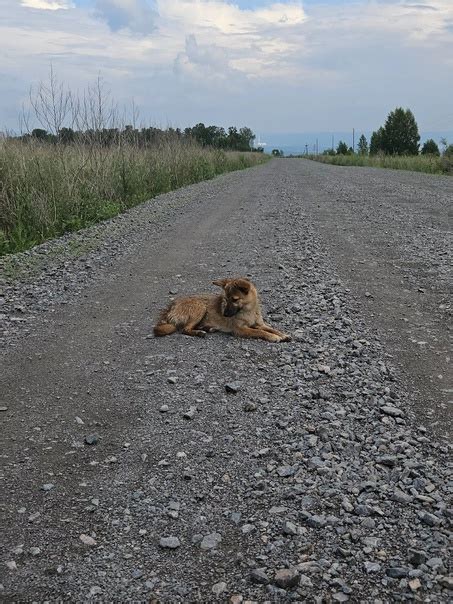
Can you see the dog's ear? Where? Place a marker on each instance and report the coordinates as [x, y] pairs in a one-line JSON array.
[[221, 282], [242, 285]]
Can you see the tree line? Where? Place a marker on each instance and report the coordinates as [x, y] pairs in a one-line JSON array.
[[231, 139], [398, 136]]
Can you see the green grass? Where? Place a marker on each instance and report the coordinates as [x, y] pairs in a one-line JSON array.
[[418, 163], [47, 190]]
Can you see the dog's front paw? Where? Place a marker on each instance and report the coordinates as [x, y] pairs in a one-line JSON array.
[[286, 338], [273, 337]]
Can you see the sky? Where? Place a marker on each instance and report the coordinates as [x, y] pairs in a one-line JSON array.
[[277, 67]]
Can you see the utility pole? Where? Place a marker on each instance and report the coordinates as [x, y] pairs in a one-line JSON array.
[[353, 140]]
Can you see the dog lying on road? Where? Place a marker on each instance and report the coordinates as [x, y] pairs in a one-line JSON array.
[[236, 310]]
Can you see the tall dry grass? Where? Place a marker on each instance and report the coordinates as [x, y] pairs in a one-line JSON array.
[[418, 163], [47, 190]]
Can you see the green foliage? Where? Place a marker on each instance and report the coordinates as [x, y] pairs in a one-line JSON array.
[[430, 148], [448, 151], [400, 135], [342, 148], [207, 136], [213, 136], [48, 190], [39, 133], [362, 145], [376, 141], [277, 153]]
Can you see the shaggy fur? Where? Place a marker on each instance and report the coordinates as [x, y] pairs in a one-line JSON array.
[[236, 310]]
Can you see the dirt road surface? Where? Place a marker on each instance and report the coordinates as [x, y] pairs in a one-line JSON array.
[[132, 472]]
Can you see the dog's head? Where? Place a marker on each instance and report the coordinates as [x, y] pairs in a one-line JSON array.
[[239, 294]]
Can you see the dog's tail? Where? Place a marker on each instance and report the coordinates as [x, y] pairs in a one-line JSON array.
[[164, 329]]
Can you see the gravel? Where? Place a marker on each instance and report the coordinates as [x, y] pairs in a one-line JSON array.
[[332, 489]]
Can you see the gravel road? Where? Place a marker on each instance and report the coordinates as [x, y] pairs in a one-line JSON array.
[[187, 470]]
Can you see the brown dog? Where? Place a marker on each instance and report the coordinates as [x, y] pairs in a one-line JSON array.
[[236, 310]]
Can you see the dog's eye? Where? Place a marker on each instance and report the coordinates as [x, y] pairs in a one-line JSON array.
[[236, 298]]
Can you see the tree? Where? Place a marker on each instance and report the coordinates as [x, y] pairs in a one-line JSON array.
[[277, 153], [40, 134], [376, 142], [449, 151], [342, 148], [400, 134], [66, 135], [247, 138], [430, 148], [362, 145]]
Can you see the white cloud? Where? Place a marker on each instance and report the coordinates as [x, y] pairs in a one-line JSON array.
[[322, 66], [47, 4]]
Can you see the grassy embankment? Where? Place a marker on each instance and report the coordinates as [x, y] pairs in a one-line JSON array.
[[418, 163], [47, 190]]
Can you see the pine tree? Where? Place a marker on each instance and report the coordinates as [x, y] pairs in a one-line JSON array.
[[342, 148], [362, 145], [430, 148], [376, 142]]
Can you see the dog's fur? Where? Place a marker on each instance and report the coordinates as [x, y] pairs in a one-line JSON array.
[[236, 310]]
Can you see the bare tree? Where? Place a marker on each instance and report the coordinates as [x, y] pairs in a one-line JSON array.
[[51, 103]]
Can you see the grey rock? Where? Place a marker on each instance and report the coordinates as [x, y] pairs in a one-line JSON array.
[[362, 510], [286, 578], [316, 521], [392, 411], [190, 414], [371, 567], [417, 557], [169, 542], [397, 572], [233, 387], [258, 575], [445, 581], [339, 596], [289, 528], [387, 460], [137, 573], [305, 581], [91, 439], [219, 588], [285, 471], [211, 541], [429, 519]]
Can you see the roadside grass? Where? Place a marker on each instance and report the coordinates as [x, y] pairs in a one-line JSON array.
[[418, 163], [47, 190]]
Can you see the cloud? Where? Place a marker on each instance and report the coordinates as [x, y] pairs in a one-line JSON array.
[[47, 4], [254, 43], [284, 66], [135, 15], [420, 6]]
